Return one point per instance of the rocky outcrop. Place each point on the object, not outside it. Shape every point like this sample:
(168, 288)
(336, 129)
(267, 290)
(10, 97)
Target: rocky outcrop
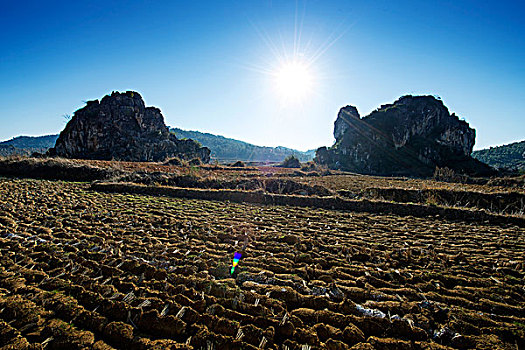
(121, 127)
(409, 137)
(344, 119)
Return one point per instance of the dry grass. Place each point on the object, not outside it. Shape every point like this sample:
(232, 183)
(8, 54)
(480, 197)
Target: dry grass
(84, 269)
(500, 196)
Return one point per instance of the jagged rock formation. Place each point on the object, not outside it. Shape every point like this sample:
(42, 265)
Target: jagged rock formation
(409, 137)
(342, 123)
(120, 127)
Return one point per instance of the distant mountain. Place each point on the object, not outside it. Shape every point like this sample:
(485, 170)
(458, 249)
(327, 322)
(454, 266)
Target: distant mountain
(226, 149)
(222, 148)
(511, 156)
(26, 145)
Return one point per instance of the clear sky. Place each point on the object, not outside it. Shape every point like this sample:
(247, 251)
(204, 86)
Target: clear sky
(215, 66)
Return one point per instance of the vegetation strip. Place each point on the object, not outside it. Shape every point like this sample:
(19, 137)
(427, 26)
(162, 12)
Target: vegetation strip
(506, 202)
(53, 169)
(335, 203)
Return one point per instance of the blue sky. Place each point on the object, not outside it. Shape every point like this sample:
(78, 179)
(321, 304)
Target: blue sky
(208, 65)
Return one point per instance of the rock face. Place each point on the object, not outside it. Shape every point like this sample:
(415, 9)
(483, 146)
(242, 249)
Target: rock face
(344, 118)
(409, 137)
(120, 127)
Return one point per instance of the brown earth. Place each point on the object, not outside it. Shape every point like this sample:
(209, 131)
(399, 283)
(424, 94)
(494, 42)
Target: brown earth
(87, 269)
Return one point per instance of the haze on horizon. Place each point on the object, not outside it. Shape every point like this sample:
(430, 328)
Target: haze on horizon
(272, 73)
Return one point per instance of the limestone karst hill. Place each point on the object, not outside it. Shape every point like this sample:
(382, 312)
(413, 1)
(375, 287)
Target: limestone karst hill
(121, 127)
(409, 137)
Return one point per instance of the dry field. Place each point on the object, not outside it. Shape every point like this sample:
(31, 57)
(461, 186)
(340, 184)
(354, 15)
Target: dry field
(498, 195)
(85, 269)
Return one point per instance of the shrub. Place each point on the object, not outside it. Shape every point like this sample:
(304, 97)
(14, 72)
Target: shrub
(173, 161)
(309, 166)
(195, 161)
(290, 162)
(448, 175)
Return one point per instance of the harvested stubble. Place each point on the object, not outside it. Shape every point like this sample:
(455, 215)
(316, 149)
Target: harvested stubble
(77, 267)
(334, 203)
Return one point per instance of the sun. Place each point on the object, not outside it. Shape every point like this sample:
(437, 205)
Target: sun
(293, 80)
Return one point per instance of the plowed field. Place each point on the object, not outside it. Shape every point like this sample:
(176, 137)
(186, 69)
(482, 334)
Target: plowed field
(82, 269)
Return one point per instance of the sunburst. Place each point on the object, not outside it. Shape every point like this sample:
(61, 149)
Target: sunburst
(293, 65)
(293, 80)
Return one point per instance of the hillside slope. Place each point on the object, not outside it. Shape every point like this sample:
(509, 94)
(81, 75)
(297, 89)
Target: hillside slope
(222, 148)
(511, 156)
(26, 145)
(46, 141)
(226, 149)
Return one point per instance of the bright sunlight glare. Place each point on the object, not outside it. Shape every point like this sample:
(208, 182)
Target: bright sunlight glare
(294, 70)
(293, 80)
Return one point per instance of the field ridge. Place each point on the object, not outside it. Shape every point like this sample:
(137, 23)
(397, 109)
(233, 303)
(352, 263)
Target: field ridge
(333, 203)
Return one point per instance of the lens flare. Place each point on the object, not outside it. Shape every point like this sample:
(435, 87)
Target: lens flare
(236, 258)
